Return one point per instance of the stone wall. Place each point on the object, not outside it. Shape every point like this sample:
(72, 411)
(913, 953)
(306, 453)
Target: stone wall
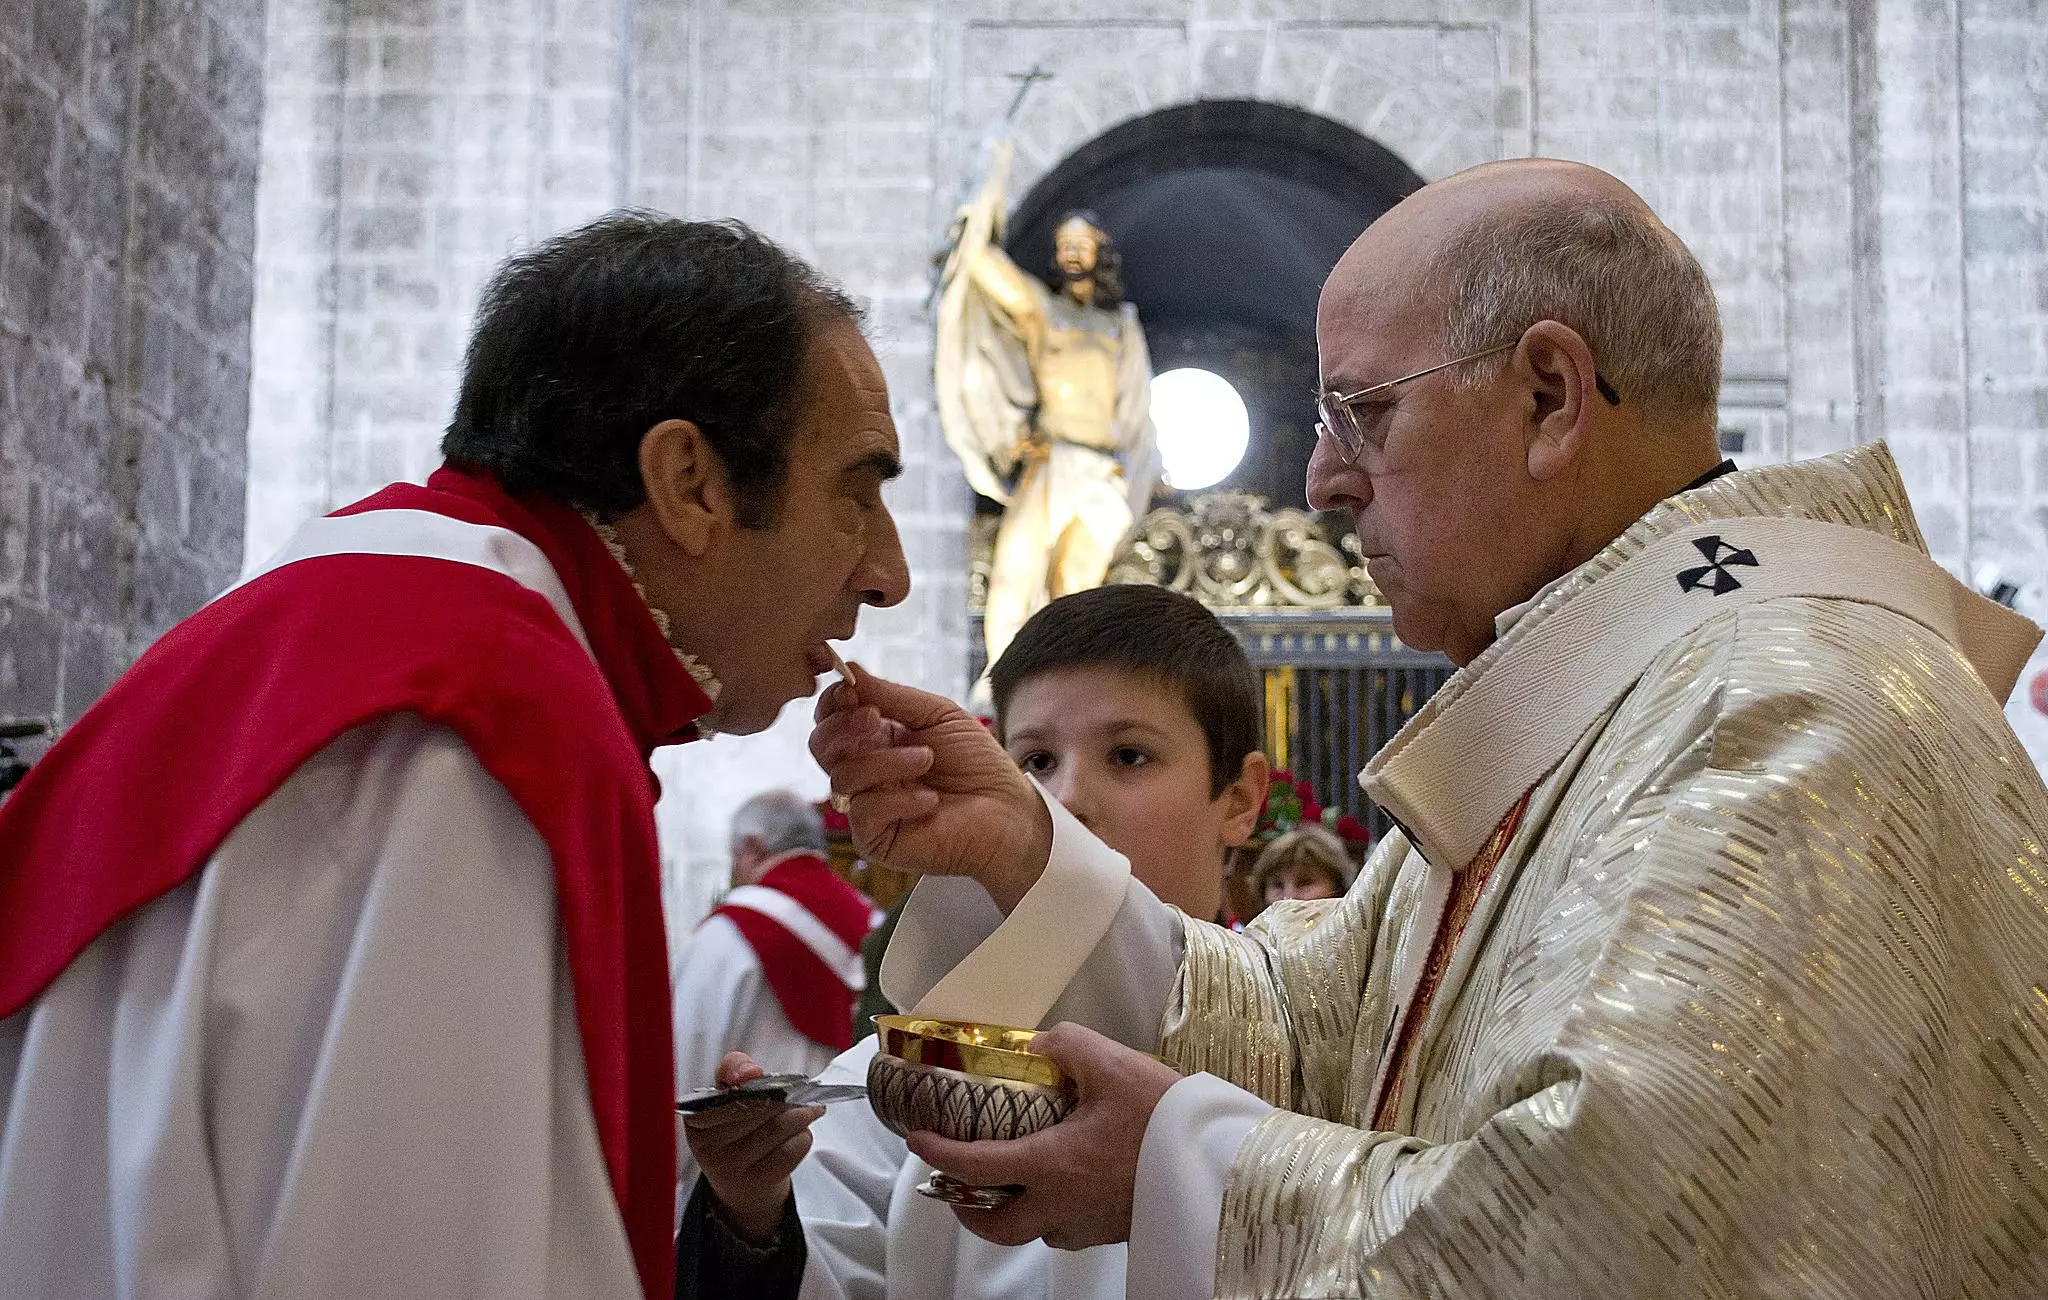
(408, 146)
(128, 164)
(1863, 181)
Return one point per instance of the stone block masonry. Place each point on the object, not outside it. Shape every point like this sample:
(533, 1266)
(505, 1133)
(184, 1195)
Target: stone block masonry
(128, 164)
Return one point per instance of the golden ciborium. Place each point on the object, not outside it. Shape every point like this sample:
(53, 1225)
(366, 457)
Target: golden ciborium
(966, 1081)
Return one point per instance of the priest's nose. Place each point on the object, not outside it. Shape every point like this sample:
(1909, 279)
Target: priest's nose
(1333, 482)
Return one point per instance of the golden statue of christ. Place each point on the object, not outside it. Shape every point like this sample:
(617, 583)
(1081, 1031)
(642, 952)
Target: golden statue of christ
(1045, 396)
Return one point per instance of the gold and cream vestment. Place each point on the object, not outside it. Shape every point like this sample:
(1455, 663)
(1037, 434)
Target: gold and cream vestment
(1755, 1001)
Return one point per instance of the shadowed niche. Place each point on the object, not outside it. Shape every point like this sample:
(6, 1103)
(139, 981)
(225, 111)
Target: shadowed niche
(1229, 215)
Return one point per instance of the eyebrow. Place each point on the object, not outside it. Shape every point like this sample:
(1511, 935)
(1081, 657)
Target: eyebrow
(1131, 724)
(1111, 728)
(883, 465)
(1137, 727)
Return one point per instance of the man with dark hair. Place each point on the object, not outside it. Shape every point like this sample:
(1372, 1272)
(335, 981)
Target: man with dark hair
(367, 994)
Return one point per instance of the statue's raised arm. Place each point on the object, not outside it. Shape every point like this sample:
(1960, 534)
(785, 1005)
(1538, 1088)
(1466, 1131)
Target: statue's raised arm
(991, 321)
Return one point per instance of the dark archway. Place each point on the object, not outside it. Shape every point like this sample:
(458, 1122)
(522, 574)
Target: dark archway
(1230, 214)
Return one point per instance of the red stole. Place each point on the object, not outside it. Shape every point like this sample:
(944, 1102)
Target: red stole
(1466, 887)
(812, 994)
(256, 683)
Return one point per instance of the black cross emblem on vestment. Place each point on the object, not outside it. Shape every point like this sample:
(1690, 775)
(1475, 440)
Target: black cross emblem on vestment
(1713, 575)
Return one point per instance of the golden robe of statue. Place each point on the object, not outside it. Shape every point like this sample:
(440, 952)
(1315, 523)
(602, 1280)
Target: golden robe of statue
(1711, 959)
(1046, 398)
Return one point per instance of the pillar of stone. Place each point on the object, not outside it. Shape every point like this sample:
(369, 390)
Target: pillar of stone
(407, 149)
(127, 202)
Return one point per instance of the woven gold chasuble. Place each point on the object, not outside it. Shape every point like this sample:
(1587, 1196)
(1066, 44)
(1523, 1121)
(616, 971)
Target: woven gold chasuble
(1753, 1000)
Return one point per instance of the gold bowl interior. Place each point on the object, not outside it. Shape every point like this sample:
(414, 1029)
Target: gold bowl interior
(992, 1051)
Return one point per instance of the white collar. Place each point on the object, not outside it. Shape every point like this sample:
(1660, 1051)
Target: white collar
(1505, 621)
(700, 674)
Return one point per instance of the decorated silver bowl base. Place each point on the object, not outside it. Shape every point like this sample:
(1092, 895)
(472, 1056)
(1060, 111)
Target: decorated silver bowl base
(909, 1097)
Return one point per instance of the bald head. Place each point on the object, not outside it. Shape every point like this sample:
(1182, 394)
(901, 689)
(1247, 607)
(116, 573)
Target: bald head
(1527, 361)
(1480, 256)
(1444, 207)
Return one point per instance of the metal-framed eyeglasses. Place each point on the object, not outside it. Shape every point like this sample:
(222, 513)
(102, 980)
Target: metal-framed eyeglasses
(1338, 414)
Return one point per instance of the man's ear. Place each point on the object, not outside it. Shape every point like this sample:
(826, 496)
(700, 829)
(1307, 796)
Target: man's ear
(685, 482)
(1244, 797)
(1557, 367)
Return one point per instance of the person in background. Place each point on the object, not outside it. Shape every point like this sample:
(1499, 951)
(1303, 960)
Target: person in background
(1308, 862)
(776, 967)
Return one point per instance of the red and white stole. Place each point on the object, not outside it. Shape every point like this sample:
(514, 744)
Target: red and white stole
(506, 621)
(805, 926)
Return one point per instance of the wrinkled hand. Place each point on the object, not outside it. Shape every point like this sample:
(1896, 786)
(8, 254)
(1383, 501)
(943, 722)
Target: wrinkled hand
(929, 789)
(748, 1150)
(1080, 1174)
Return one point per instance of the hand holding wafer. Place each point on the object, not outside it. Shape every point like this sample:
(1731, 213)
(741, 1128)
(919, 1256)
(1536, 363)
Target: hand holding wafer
(840, 666)
(927, 788)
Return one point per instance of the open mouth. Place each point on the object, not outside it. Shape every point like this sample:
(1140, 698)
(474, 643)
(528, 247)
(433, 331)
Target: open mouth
(819, 659)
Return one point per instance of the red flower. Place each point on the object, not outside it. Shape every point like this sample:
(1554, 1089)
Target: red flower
(1281, 777)
(1311, 811)
(1353, 831)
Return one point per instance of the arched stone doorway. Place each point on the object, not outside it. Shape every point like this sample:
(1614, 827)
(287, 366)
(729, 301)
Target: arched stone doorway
(1230, 214)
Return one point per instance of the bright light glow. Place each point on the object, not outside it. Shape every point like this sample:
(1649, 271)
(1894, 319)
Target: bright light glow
(1203, 427)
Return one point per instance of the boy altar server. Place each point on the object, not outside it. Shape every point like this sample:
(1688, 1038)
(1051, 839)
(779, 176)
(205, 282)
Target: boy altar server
(1708, 958)
(1138, 715)
(366, 994)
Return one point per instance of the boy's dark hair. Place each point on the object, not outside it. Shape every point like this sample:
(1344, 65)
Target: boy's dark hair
(588, 341)
(1150, 630)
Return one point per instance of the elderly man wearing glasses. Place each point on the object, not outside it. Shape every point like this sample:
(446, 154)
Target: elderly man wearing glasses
(1707, 960)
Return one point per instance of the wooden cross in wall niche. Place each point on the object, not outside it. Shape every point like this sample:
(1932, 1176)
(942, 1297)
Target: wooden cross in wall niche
(1025, 81)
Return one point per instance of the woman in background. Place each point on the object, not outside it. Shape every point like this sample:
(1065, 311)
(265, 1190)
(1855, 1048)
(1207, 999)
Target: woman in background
(1306, 862)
